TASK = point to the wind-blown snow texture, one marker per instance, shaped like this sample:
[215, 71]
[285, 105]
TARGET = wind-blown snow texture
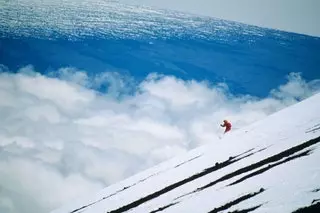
[269, 166]
[53, 19]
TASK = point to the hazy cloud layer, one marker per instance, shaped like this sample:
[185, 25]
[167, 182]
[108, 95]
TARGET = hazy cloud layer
[60, 138]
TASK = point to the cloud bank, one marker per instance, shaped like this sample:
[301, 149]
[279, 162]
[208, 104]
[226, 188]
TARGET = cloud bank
[62, 136]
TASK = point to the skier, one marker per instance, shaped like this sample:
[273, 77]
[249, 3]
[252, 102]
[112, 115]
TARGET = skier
[227, 125]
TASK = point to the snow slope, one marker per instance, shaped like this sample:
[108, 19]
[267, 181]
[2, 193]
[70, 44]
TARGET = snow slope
[269, 166]
[112, 19]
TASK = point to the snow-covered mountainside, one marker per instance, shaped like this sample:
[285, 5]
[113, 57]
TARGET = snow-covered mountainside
[111, 19]
[269, 166]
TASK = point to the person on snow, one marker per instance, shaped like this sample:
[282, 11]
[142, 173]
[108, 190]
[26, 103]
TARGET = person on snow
[227, 125]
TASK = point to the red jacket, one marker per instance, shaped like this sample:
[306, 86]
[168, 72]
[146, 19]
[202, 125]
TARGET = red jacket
[227, 125]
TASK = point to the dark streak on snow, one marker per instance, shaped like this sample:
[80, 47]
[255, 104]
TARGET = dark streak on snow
[227, 165]
[263, 162]
[216, 167]
[317, 125]
[86, 206]
[164, 207]
[164, 171]
[309, 209]
[270, 166]
[83, 207]
[126, 187]
[313, 129]
[315, 201]
[142, 180]
[315, 190]
[236, 201]
[187, 161]
[247, 210]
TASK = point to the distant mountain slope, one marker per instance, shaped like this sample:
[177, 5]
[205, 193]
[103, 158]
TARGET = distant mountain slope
[270, 166]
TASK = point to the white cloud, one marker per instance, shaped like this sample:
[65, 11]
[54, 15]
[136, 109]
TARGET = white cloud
[60, 135]
[39, 183]
[61, 93]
